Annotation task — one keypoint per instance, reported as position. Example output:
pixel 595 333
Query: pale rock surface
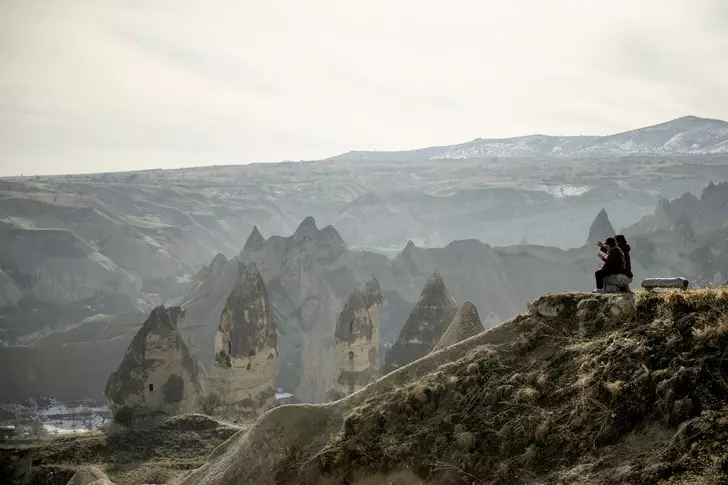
pixel 89 475
pixel 465 325
pixel 157 377
pixel 425 326
pixel 357 341
pixel 246 354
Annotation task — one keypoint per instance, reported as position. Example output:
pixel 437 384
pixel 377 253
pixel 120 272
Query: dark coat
pixel 625 248
pixel 614 264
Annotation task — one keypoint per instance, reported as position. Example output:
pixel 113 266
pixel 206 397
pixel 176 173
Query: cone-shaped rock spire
pixel 465 325
pixel 255 240
pixel 600 229
pixel 425 326
pixel 157 377
pixel 307 228
pixel 246 353
pixel 357 341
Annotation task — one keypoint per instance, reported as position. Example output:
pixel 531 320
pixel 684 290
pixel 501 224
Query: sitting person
pixel 622 244
pixel 613 263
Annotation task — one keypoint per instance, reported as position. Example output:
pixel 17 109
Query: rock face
pixel 465 324
pixel 600 229
pixel 357 341
pixel 246 353
pixel 425 326
pixel 157 377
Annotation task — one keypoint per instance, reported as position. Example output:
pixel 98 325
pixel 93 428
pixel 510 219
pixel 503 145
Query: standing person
pixel 613 263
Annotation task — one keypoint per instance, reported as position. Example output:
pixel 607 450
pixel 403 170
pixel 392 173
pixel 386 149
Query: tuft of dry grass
pixel 615 388
pixel 712 329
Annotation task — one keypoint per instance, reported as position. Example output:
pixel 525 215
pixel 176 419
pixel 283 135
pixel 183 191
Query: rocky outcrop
pixel 157 377
pixel 425 326
pixel 357 341
pixel 246 353
pixel 465 324
pixel 601 228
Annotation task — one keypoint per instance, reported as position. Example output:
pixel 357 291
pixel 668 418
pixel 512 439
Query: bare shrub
pixel 210 404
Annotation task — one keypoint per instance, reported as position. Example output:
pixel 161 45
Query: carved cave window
pixel 351 355
pixel 151 387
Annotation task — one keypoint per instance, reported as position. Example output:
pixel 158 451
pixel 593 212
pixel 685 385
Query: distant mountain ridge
pixel 689 135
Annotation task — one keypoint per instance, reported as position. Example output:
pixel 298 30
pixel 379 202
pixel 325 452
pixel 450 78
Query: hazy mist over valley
pixel 250 243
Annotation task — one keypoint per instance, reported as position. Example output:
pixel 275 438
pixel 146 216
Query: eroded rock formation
pixel 157 377
pixel 425 326
pixel 465 324
pixel 255 240
pixel 601 228
pixel 246 353
pixel 357 341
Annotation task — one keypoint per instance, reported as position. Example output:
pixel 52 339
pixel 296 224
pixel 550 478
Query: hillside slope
pixel 689 135
pixel 580 389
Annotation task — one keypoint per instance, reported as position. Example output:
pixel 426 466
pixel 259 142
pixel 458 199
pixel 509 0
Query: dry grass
pixel 565 404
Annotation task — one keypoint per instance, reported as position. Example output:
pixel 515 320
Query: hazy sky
pixel 101 85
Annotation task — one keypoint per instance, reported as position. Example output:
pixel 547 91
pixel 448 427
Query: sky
pixel 95 86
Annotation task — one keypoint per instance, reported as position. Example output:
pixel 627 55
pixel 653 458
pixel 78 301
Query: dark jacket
pixel 627 260
pixel 614 263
